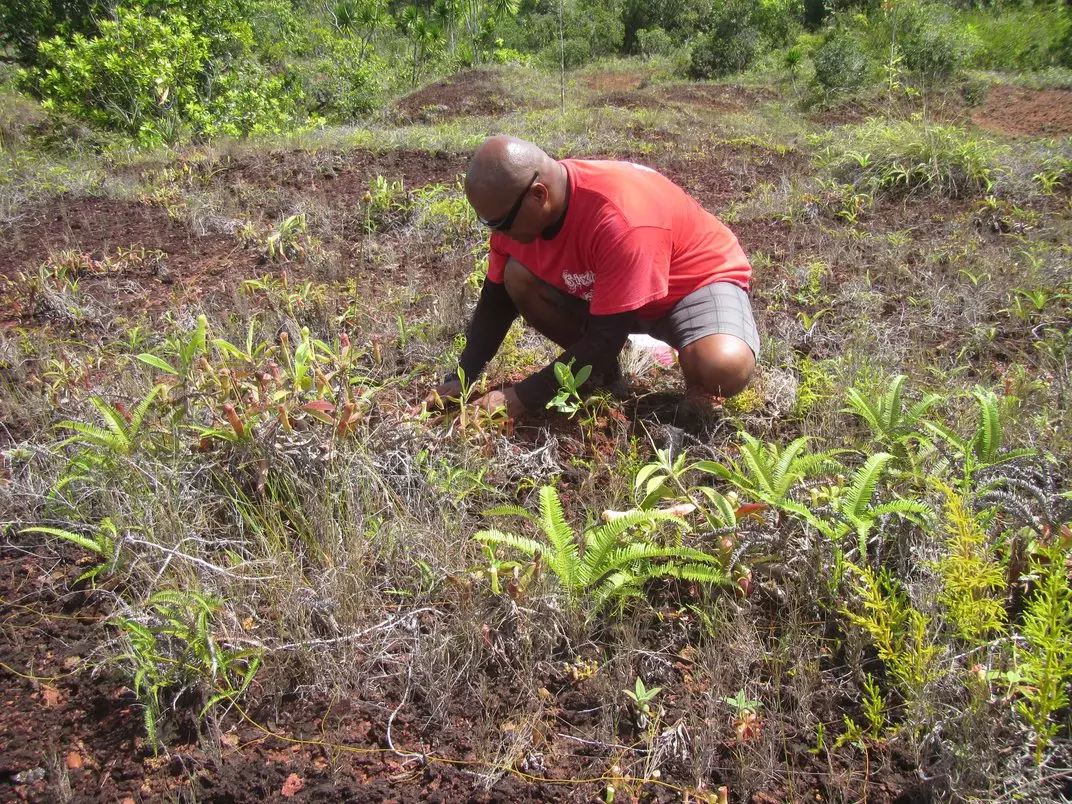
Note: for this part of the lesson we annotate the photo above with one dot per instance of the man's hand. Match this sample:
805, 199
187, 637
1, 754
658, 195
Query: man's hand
438, 396
506, 398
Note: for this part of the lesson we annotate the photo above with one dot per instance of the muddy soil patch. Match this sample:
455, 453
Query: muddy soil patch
131, 257
470, 93
1026, 112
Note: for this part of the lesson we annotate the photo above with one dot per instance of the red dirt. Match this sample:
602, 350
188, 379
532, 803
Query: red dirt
190, 266
476, 92
1026, 112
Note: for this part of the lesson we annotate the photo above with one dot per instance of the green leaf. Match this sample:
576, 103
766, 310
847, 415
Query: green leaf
157, 363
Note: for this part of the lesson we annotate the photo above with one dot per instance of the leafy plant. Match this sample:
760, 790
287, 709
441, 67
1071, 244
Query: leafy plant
104, 542
898, 630
568, 400
970, 574
607, 561
173, 648
894, 425
1044, 657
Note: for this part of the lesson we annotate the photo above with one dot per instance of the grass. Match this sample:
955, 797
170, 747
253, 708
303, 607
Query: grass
284, 521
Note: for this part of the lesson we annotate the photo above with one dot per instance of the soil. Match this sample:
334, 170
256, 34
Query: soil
1019, 111
471, 93
70, 728
1010, 110
168, 265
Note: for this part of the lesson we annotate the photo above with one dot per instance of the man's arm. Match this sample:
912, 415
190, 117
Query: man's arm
604, 337
494, 313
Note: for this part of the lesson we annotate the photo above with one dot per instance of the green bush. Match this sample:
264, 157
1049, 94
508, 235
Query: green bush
135, 76
341, 87
153, 77
654, 42
931, 40
246, 100
779, 21
1017, 39
841, 61
577, 53
731, 44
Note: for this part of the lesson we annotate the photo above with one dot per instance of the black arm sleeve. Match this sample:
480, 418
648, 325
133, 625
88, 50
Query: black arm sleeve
603, 339
495, 312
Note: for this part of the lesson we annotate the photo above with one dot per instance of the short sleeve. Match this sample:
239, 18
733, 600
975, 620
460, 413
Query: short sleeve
497, 259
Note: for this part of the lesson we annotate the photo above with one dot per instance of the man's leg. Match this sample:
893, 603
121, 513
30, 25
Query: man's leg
716, 338
720, 365
554, 314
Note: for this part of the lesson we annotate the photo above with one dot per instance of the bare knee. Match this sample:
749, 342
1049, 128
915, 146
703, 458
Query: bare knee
718, 364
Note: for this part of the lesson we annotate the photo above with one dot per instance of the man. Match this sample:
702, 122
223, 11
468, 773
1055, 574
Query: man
588, 252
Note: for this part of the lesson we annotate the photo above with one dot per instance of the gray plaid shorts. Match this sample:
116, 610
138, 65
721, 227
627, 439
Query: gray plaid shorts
720, 308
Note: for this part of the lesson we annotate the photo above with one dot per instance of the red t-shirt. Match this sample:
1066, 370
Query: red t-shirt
632, 240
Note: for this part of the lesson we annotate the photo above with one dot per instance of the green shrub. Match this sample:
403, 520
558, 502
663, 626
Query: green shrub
128, 78
779, 21
1017, 39
841, 62
654, 42
246, 100
575, 52
730, 45
932, 41
341, 87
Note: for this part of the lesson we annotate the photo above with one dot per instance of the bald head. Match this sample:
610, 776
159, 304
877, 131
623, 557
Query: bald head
505, 163
501, 169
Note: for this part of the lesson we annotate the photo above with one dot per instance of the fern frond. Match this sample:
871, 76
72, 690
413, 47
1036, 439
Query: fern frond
137, 416
787, 469
698, 573
522, 543
113, 419
986, 442
560, 535
758, 461
863, 485
862, 407
891, 402
508, 510
98, 436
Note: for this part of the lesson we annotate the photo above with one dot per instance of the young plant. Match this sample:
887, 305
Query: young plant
609, 562
746, 722
568, 400
642, 697
1044, 656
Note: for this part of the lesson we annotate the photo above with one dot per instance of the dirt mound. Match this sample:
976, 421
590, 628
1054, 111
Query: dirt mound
1026, 112
474, 92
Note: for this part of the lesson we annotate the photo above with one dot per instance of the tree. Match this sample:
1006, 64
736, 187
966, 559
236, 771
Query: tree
424, 38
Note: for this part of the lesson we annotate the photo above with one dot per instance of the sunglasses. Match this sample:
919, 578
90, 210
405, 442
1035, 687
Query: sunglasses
504, 224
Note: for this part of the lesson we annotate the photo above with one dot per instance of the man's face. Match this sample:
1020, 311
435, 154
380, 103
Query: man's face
520, 220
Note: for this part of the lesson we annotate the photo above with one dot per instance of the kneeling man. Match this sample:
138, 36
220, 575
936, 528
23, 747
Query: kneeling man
588, 252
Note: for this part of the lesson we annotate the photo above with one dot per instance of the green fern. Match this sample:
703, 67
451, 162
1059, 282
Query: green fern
616, 560
983, 448
104, 543
893, 426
